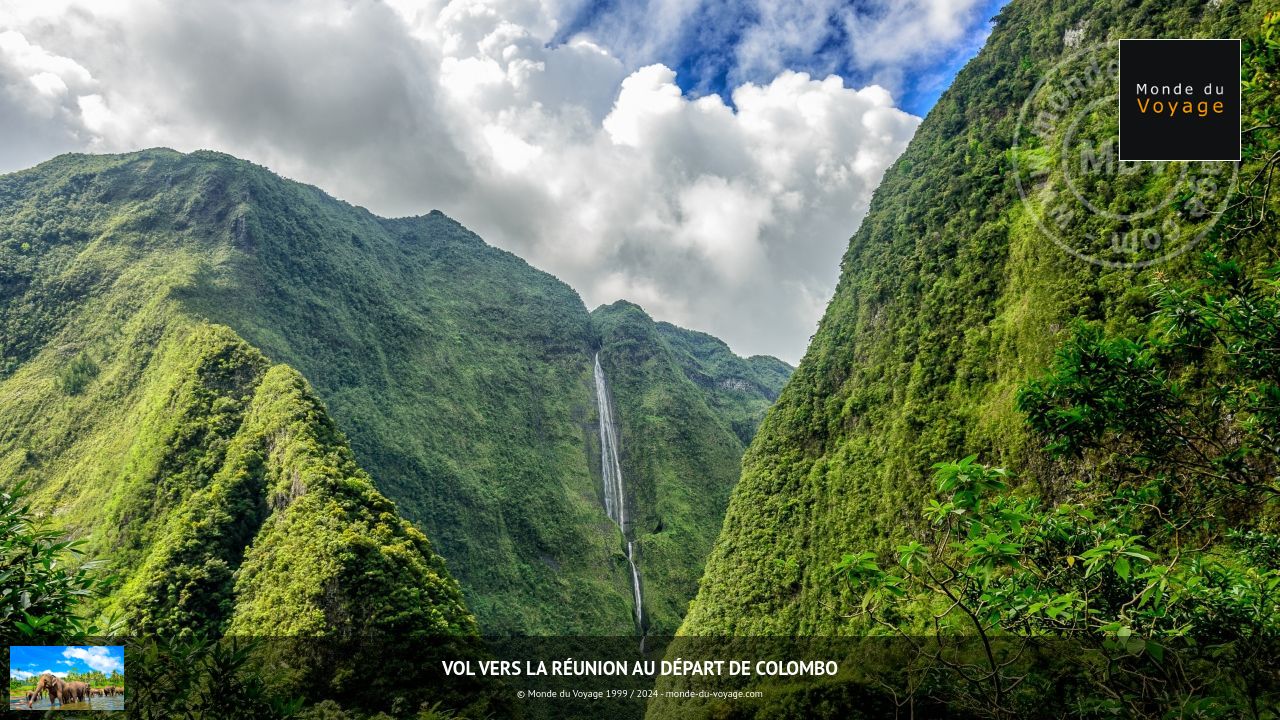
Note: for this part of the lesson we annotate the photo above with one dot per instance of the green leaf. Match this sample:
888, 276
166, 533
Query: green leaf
1155, 650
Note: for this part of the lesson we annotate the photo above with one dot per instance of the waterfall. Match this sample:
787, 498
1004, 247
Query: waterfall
615, 497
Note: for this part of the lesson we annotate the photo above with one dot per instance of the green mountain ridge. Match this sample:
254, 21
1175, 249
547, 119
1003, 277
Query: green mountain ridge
141, 296
949, 299
676, 389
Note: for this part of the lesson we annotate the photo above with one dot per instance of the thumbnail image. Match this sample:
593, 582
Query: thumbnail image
66, 677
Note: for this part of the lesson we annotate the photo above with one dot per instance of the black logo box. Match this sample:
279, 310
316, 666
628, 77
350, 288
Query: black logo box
1180, 65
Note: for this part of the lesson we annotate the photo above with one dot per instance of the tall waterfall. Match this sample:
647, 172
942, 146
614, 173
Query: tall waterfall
615, 497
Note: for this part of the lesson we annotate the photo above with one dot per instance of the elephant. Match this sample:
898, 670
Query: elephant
60, 690
55, 686
78, 691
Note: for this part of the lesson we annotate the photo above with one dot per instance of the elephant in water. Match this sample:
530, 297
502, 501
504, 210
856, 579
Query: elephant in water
55, 686
78, 691
62, 691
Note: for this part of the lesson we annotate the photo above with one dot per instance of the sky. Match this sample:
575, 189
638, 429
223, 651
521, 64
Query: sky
707, 159
32, 661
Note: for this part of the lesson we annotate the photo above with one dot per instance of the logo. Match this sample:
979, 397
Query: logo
1079, 192
1180, 100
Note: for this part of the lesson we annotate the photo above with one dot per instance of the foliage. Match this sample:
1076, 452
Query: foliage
197, 678
333, 557
460, 375
43, 578
1260, 145
949, 299
1160, 553
682, 399
288, 536
77, 374
739, 390
1162, 615
1211, 445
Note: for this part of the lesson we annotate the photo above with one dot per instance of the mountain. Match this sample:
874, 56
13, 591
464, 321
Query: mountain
738, 389
684, 404
222, 379
950, 298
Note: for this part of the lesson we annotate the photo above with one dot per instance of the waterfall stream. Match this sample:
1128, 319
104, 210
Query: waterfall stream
615, 497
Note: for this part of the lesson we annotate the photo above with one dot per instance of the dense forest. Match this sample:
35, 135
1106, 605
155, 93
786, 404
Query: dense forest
220, 380
1004, 474
949, 302
991, 438
231, 405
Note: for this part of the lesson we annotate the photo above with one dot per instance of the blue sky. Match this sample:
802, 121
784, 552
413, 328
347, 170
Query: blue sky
31, 660
706, 50
706, 159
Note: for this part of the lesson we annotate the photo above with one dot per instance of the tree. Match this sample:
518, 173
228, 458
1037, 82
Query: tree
1154, 564
1147, 621
41, 581
1143, 579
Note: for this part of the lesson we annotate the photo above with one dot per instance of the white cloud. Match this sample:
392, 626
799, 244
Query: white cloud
97, 658
17, 674
899, 30
884, 40
39, 101
880, 36
726, 219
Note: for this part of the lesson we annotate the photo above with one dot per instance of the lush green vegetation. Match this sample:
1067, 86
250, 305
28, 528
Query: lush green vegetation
44, 580
263, 525
950, 298
1129, 567
148, 301
194, 677
141, 296
1155, 554
683, 403
288, 533
738, 389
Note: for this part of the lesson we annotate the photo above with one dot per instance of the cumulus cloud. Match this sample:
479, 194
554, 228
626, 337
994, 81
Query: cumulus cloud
874, 35
724, 220
889, 42
723, 214
40, 101
905, 35
97, 658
